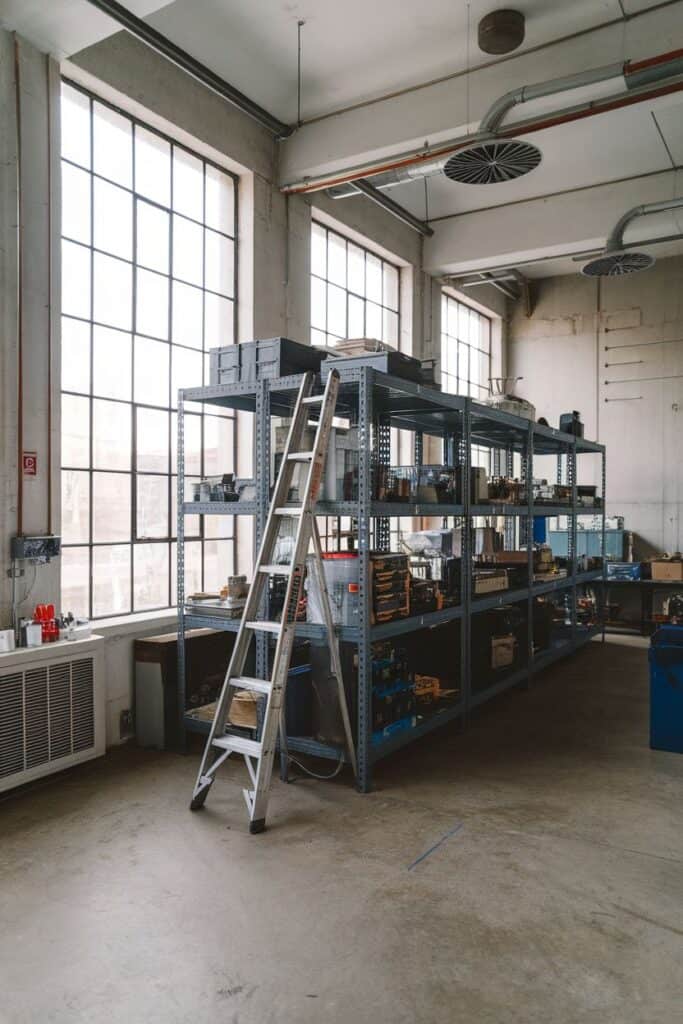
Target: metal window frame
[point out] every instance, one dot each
(447, 337)
(349, 292)
(170, 409)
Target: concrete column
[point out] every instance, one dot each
(29, 280)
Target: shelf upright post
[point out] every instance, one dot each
(262, 476)
(526, 521)
(465, 468)
(382, 457)
(571, 534)
(509, 523)
(363, 742)
(180, 555)
(603, 540)
(530, 545)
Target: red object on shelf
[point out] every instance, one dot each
(44, 615)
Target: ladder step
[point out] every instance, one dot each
(300, 456)
(296, 511)
(265, 627)
(312, 400)
(238, 745)
(247, 683)
(276, 570)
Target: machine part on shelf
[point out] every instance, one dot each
(674, 609)
(570, 423)
(511, 403)
(259, 754)
(615, 260)
(487, 581)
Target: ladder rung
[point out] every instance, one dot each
(248, 683)
(238, 745)
(312, 400)
(296, 511)
(265, 627)
(300, 456)
(276, 570)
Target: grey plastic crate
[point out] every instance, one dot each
(261, 360)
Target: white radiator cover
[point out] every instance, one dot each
(52, 712)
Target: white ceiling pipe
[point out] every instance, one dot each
(416, 164)
(490, 122)
(615, 242)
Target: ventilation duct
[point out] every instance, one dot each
(616, 261)
(638, 78)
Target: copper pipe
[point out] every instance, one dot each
(49, 295)
(575, 114)
(627, 71)
(20, 294)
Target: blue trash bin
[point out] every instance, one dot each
(666, 689)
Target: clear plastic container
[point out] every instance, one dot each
(341, 576)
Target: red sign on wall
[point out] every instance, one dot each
(30, 463)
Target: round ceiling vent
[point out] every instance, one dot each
(489, 163)
(501, 31)
(618, 263)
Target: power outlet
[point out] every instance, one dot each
(126, 724)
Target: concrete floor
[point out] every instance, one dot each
(557, 896)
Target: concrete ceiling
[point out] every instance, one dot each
(381, 78)
(350, 54)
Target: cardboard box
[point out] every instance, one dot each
(667, 570)
(502, 651)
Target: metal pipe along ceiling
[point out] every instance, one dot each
(615, 242)
(640, 79)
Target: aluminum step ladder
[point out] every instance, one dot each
(258, 754)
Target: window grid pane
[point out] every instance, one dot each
(465, 350)
(354, 292)
(148, 288)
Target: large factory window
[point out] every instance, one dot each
(354, 293)
(148, 287)
(465, 350)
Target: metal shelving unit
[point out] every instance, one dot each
(376, 402)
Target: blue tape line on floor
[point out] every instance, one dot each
(423, 856)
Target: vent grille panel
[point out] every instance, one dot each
(37, 735)
(11, 724)
(491, 163)
(83, 704)
(60, 710)
(46, 714)
(618, 264)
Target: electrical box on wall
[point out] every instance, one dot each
(35, 549)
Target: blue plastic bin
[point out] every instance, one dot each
(666, 689)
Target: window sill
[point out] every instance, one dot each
(139, 622)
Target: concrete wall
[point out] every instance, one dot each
(28, 327)
(274, 268)
(569, 353)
